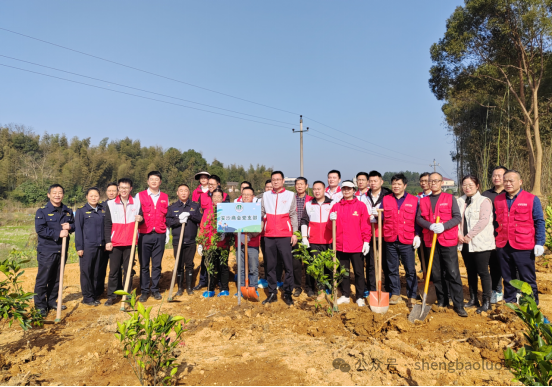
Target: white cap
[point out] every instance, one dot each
(348, 183)
(197, 175)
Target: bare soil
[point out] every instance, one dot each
(251, 344)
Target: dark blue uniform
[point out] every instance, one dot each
(187, 252)
(48, 221)
(89, 237)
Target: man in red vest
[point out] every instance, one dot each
(520, 234)
(402, 237)
(151, 243)
(445, 261)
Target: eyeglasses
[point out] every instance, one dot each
(435, 181)
(124, 188)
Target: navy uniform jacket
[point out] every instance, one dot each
(48, 223)
(89, 227)
(172, 220)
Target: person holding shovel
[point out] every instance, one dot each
(151, 243)
(253, 242)
(53, 224)
(184, 213)
(90, 246)
(476, 240)
(445, 271)
(121, 214)
(316, 229)
(219, 267)
(402, 237)
(353, 235)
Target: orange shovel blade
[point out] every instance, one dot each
(249, 292)
(379, 304)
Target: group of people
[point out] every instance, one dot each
(499, 232)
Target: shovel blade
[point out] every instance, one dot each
(379, 304)
(249, 293)
(418, 313)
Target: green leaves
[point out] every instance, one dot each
(150, 343)
(531, 364)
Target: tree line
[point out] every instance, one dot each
(493, 71)
(29, 163)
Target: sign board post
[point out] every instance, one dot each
(237, 218)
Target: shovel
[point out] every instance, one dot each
(61, 272)
(176, 261)
(419, 312)
(379, 301)
(334, 283)
(431, 295)
(247, 291)
(130, 262)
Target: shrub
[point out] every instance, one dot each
(14, 301)
(316, 266)
(532, 363)
(150, 345)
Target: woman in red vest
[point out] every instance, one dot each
(151, 243)
(445, 261)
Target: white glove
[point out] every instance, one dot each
(222, 236)
(184, 217)
(333, 216)
(365, 248)
(306, 242)
(167, 237)
(200, 250)
(539, 250)
(437, 228)
(243, 238)
(416, 242)
(374, 211)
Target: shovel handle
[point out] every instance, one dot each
(61, 272)
(334, 242)
(430, 264)
(380, 213)
(246, 262)
(130, 262)
(182, 228)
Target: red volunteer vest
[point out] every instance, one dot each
(443, 208)
(154, 214)
(401, 222)
(515, 226)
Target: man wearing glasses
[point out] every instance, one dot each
(120, 215)
(445, 272)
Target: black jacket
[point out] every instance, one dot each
(173, 220)
(48, 221)
(384, 192)
(89, 227)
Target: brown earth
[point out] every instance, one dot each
(251, 344)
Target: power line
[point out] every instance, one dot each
(141, 96)
(147, 72)
(203, 88)
(145, 91)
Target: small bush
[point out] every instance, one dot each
(150, 344)
(531, 364)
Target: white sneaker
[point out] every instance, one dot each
(360, 302)
(343, 300)
(499, 297)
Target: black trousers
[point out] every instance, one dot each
(496, 272)
(445, 287)
(220, 271)
(297, 274)
(310, 282)
(187, 253)
(445, 274)
(150, 249)
(102, 271)
(370, 266)
(521, 263)
(279, 263)
(89, 273)
(477, 264)
(118, 267)
(357, 260)
(274, 247)
(47, 280)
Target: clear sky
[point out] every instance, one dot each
(361, 67)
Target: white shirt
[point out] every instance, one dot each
(154, 196)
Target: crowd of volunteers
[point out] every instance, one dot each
(498, 232)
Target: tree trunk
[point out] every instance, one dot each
(537, 175)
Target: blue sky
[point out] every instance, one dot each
(360, 67)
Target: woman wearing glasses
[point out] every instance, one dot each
(476, 240)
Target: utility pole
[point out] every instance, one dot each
(434, 165)
(300, 131)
